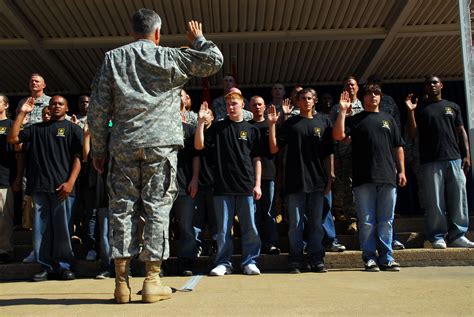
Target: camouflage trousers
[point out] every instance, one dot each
(342, 199)
(141, 182)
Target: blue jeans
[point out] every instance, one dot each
(265, 214)
(226, 207)
(309, 205)
(104, 253)
(205, 212)
(444, 187)
(51, 235)
(91, 228)
(328, 220)
(184, 209)
(375, 205)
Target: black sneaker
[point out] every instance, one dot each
(272, 250)
(185, 267)
(40, 277)
(335, 246)
(294, 270)
(371, 266)
(102, 275)
(4, 258)
(67, 275)
(391, 266)
(318, 268)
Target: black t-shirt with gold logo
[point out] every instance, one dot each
(233, 146)
(437, 123)
(374, 136)
(7, 155)
(308, 142)
(51, 148)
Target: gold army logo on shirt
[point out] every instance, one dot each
(448, 111)
(243, 135)
(317, 132)
(385, 124)
(61, 132)
(3, 130)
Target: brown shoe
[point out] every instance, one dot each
(123, 291)
(153, 290)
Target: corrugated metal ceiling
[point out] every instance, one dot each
(289, 41)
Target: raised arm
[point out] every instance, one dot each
(411, 122)
(272, 120)
(27, 107)
(204, 117)
(338, 130)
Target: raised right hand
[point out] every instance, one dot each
(345, 102)
(28, 106)
(273, 115)
(410, 104)
(204, 114)
(194, 30)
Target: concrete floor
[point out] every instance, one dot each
(427, 291)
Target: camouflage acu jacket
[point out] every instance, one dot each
(138, 87)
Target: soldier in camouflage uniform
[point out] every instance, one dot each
(343, 201)
(37, 86)
(138, 87)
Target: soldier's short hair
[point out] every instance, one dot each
(146, 21)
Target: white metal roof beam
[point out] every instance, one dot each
(16, 18)
(402, 10)
(241, 37)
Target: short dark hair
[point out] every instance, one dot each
(431, 76)
(344, 82)
(371, 88)
(145, 21)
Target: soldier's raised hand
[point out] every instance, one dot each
(28, 106)
(194, 30)
(410, 104)
(273, 115)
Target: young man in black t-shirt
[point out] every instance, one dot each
(7, 175)
(308, 176)
(237, 171)
(187, 175)
(54, 163)
(445, 159)
(265, 208)
(376, 141)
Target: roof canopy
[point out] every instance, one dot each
(290, 41)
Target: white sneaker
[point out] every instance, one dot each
(462, 242)
(438, 244)
(251, 269)
(30, 258)
(91, 255)
(220, 270)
